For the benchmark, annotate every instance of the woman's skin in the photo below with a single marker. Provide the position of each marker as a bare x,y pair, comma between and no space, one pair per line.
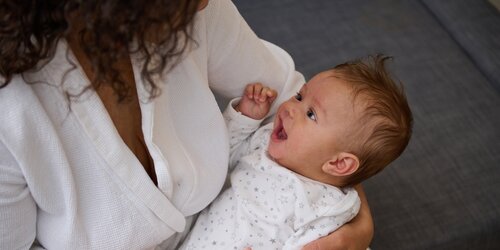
126,117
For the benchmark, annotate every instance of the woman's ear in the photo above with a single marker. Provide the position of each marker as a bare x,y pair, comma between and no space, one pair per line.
341,165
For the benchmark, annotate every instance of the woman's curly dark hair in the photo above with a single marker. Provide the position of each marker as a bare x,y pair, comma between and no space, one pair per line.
31,29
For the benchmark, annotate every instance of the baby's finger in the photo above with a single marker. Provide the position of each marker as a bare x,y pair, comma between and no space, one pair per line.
257,89
249,91
271,94
266,94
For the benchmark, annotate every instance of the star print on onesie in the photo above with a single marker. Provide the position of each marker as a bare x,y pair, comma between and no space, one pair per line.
266,205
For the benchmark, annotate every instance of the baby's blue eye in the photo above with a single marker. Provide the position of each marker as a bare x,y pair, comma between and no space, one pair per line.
311,115
298,96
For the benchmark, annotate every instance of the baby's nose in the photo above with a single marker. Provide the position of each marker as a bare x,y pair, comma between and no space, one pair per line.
290,111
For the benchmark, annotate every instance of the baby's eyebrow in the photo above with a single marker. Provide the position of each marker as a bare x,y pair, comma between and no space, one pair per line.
304,87
319,106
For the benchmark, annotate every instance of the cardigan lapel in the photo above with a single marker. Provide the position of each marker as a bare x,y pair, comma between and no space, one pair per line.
121,162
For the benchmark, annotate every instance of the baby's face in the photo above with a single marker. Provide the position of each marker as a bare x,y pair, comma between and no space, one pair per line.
310,127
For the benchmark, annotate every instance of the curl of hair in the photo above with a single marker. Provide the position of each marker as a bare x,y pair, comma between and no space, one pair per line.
113,29
385,127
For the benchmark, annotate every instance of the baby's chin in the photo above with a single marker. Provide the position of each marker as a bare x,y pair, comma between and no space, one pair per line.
273,152
270,149
278,158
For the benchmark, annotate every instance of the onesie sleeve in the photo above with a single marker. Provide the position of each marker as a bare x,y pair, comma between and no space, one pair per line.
325,215
240,129
17,207
236,57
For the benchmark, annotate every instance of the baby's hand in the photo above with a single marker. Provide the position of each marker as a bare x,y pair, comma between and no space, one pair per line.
256,101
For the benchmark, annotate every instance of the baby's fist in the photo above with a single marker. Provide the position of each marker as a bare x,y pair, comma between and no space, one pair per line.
256,101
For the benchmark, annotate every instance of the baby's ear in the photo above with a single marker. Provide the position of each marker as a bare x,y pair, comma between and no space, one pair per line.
342,164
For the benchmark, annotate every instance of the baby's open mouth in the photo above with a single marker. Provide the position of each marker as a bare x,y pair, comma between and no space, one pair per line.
279,132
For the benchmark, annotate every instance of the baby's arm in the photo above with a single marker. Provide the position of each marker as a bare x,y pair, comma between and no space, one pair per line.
244,118
256,101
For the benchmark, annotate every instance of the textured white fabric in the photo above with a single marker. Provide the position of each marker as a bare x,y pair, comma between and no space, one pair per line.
70,182
268,206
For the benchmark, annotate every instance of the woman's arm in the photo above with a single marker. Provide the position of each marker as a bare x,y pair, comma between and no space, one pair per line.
17,207
236,57
357,234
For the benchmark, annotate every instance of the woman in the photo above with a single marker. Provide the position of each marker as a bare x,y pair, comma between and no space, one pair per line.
111,137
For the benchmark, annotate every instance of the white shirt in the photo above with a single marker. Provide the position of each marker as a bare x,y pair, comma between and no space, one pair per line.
268,206
69,181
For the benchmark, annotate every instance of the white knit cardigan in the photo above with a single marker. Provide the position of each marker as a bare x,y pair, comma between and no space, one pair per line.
68,181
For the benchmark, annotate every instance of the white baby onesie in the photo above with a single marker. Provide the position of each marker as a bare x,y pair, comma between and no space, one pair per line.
268,206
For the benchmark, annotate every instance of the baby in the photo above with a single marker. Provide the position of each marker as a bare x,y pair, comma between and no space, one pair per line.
292,179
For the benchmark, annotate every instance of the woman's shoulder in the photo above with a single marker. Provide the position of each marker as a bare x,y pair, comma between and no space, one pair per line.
18,102
15,93
22,91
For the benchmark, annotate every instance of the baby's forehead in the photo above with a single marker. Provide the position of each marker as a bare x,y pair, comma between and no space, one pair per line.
332,96
326,76
341,81
329,83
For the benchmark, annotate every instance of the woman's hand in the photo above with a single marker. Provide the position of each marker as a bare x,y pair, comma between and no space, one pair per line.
357,234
